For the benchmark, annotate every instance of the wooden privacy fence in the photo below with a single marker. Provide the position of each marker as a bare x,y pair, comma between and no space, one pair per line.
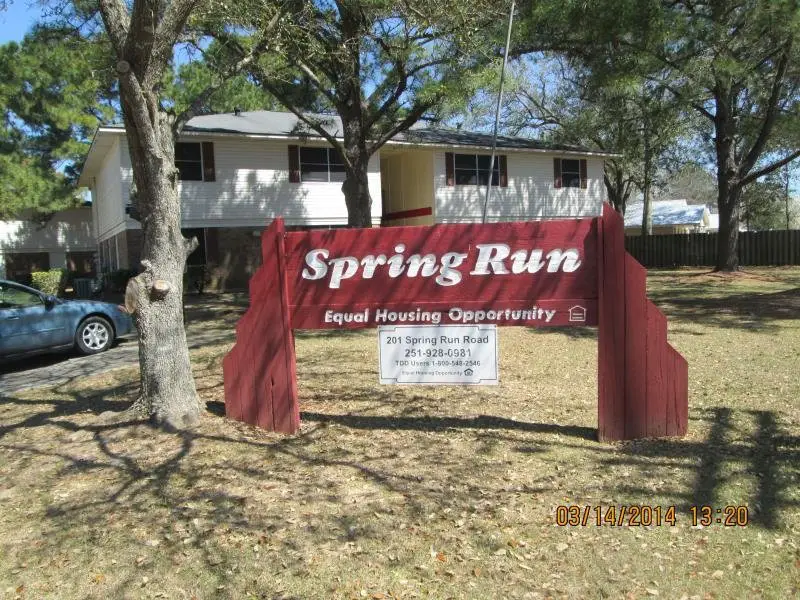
756,248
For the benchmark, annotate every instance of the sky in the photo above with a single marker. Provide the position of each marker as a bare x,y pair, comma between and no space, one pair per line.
20,15
17,19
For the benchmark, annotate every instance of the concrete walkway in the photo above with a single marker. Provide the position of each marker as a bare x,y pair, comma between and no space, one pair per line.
55,369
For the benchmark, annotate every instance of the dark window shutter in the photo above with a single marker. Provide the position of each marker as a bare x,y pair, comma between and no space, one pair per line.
584,178
450,167
294,164
557,173
209,173
503,170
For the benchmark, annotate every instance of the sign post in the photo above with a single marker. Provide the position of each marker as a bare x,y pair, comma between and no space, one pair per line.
546,273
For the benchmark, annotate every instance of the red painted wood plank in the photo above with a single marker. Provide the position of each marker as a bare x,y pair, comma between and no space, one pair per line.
611,334
251,366
407,214
452,275
260,354
286,410
678,406
535,313
658,371
635,349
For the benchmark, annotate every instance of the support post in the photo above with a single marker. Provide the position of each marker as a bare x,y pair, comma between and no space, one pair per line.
642,381
260,371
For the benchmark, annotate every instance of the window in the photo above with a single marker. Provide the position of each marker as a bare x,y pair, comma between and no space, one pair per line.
321,164
569,173
473,169
189,160
12,297
195,161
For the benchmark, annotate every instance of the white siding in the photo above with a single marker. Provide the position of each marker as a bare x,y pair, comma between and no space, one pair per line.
252,187
66,231
107,194
530,193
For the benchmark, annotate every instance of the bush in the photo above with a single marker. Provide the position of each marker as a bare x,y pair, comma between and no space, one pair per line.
49,282
117,280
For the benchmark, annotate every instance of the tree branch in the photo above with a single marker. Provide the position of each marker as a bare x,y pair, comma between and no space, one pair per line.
771,114
316,81
200,100
138,108
115,19
770,168
678,94
287,102
169,28
412,117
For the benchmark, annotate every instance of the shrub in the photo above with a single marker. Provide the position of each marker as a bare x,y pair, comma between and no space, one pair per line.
49,282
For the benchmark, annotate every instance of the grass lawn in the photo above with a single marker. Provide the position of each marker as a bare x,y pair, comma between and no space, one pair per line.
423,492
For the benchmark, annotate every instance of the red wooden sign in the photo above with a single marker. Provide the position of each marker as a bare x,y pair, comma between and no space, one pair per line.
570,272
507,273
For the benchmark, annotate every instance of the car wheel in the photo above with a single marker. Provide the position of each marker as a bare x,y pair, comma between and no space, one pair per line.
94,335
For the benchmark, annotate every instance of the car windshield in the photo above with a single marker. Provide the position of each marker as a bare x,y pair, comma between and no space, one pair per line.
14,297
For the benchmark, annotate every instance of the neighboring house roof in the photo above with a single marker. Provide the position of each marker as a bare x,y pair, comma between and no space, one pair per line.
667,213
273,124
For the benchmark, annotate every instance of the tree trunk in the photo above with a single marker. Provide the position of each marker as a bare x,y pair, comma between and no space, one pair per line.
647,203
616,188
729,186
357,196
356,154
786,176
168,395
729,199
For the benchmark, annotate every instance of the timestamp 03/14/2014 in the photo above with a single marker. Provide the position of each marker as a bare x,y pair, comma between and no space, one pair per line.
643,515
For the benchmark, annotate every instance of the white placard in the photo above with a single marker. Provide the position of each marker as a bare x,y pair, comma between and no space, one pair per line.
438,354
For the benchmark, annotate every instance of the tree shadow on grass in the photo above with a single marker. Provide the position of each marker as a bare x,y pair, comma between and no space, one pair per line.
439,423
739,445
193,491
738,311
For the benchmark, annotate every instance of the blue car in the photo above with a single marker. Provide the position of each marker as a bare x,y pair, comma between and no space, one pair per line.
31,321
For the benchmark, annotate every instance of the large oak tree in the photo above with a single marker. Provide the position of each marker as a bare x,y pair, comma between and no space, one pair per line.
380,65
143,35
736,63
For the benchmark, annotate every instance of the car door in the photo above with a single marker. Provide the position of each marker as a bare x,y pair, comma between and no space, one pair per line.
25,322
